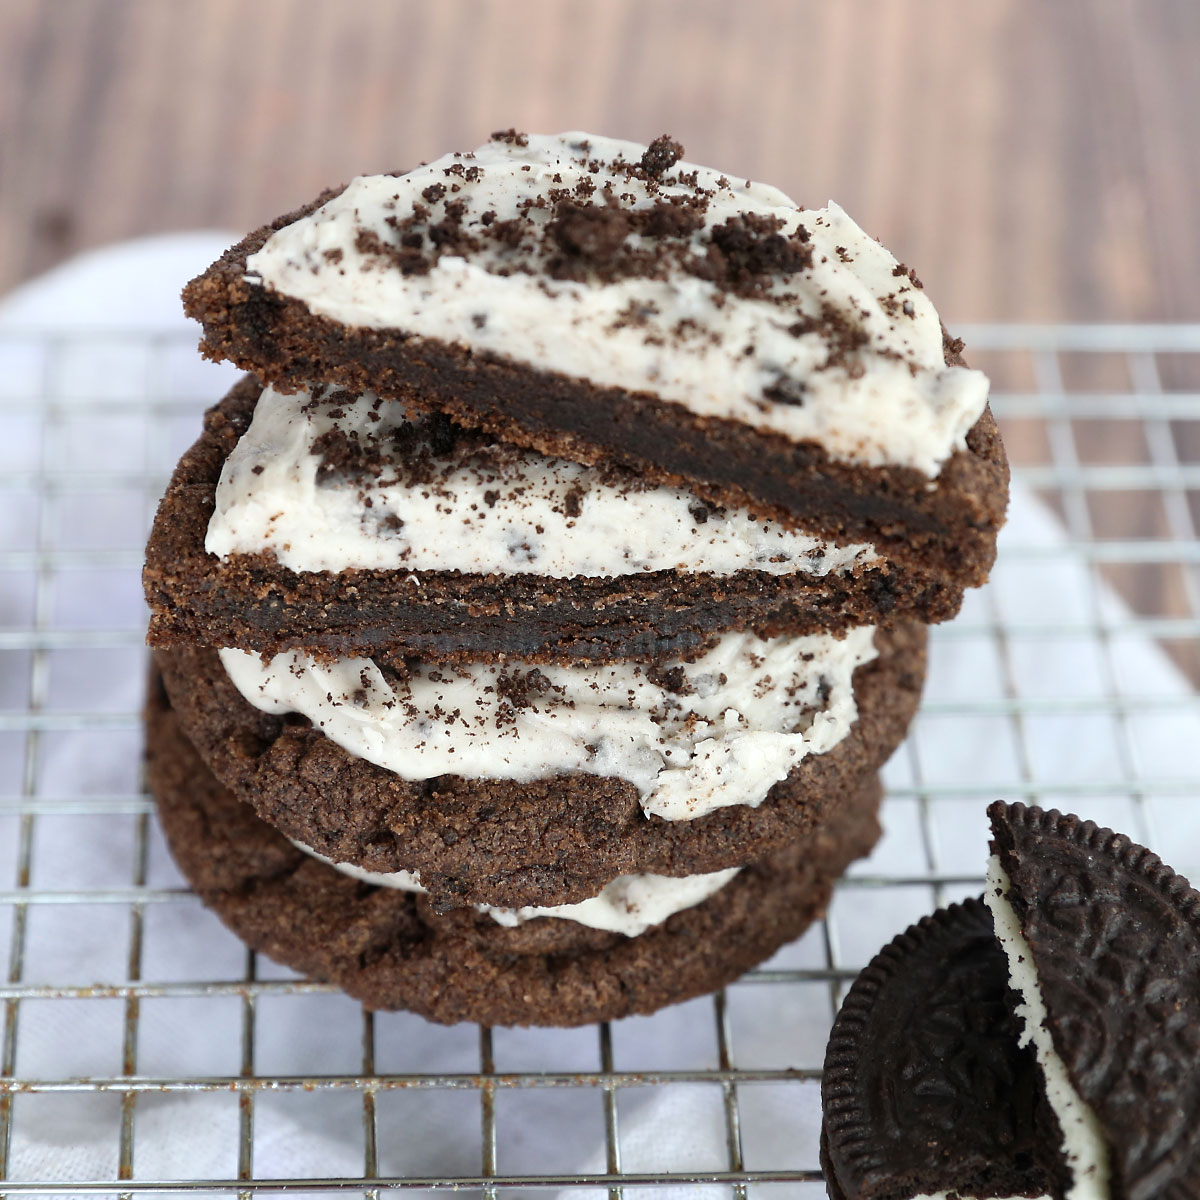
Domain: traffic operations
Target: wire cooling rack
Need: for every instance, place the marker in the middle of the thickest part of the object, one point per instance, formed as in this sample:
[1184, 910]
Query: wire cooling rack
[1102, 422]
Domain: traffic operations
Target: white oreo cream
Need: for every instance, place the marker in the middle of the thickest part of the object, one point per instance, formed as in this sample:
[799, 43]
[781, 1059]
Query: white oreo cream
[630, 904]
[478, 508]
[691, 737]
[1083, 1143]
[488, 251]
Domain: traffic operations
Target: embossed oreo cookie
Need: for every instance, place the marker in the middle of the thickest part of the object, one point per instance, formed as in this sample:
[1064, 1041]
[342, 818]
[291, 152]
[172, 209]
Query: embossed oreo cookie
[925, 1089]
[1103, 942]
[1051, 1048]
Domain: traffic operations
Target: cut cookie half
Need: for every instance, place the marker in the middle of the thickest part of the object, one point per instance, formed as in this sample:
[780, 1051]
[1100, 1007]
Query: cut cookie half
[606, 303]
[329, 522]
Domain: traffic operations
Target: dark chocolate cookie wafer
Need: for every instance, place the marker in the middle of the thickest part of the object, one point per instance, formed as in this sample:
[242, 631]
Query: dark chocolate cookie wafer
[925, 1090]
[253, 602]
[549, 841]
[1113, 938]
[390, 950]
[696, 325]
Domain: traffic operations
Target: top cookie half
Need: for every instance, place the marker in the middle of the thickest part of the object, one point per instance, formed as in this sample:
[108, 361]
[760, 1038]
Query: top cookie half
[606, 302]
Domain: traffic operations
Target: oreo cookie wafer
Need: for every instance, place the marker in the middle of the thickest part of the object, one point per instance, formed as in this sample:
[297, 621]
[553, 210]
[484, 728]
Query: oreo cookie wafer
[926, 1090]
[1103, 944]
[1049, 1049]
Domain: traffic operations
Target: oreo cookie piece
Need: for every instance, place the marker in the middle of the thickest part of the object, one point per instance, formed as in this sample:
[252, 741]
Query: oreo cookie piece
[1051, 1048]
[926, 1091]
[389, 948]
[1103, 942]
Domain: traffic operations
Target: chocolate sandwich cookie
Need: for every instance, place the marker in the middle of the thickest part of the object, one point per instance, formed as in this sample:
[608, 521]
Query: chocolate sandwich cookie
[389, 949]
[607, 303]
[1103, 944]
[1049, 1047]
[329, 522]
[926, 1091]
[507, 784]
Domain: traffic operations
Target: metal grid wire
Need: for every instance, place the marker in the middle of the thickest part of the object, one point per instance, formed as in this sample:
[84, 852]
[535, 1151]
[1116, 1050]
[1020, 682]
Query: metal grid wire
[1102, 421]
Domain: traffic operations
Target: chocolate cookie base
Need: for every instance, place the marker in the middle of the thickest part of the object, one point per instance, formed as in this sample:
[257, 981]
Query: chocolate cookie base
[498, 841]
[251, 602]
[389, 950]
[925, 1088]
[946, 527]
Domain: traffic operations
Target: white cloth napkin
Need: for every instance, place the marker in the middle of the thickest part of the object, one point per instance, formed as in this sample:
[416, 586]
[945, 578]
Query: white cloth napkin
[99, 310]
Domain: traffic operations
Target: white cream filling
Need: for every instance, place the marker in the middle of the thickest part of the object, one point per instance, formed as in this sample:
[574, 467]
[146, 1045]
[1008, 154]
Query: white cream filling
[893, 399]
[630, 904]
[539, 515]
[1084, 1146]
[748, 711]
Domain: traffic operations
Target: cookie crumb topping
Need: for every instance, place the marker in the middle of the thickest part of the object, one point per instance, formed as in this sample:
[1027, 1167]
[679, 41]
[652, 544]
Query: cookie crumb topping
[628, 267]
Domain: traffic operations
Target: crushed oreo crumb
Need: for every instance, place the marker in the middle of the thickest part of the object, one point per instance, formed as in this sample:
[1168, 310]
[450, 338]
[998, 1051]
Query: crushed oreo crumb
[670, 679]
[746, 252]
[662, 154]
[522, 689]
[588, 231]
[573, 502]
[626, 220]
[786, 390]
[900, 271]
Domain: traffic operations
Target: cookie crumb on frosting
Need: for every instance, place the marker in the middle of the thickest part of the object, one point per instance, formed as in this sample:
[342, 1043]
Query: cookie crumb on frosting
[625, 266]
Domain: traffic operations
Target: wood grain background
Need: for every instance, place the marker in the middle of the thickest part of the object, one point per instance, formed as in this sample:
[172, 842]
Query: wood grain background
[1033, 158]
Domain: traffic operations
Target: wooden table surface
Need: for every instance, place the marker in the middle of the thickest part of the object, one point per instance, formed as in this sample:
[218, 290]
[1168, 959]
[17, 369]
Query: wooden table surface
[1035, 159]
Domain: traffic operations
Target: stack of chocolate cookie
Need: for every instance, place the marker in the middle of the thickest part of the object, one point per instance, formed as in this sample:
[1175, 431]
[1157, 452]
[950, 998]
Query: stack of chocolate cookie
[532, 622]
